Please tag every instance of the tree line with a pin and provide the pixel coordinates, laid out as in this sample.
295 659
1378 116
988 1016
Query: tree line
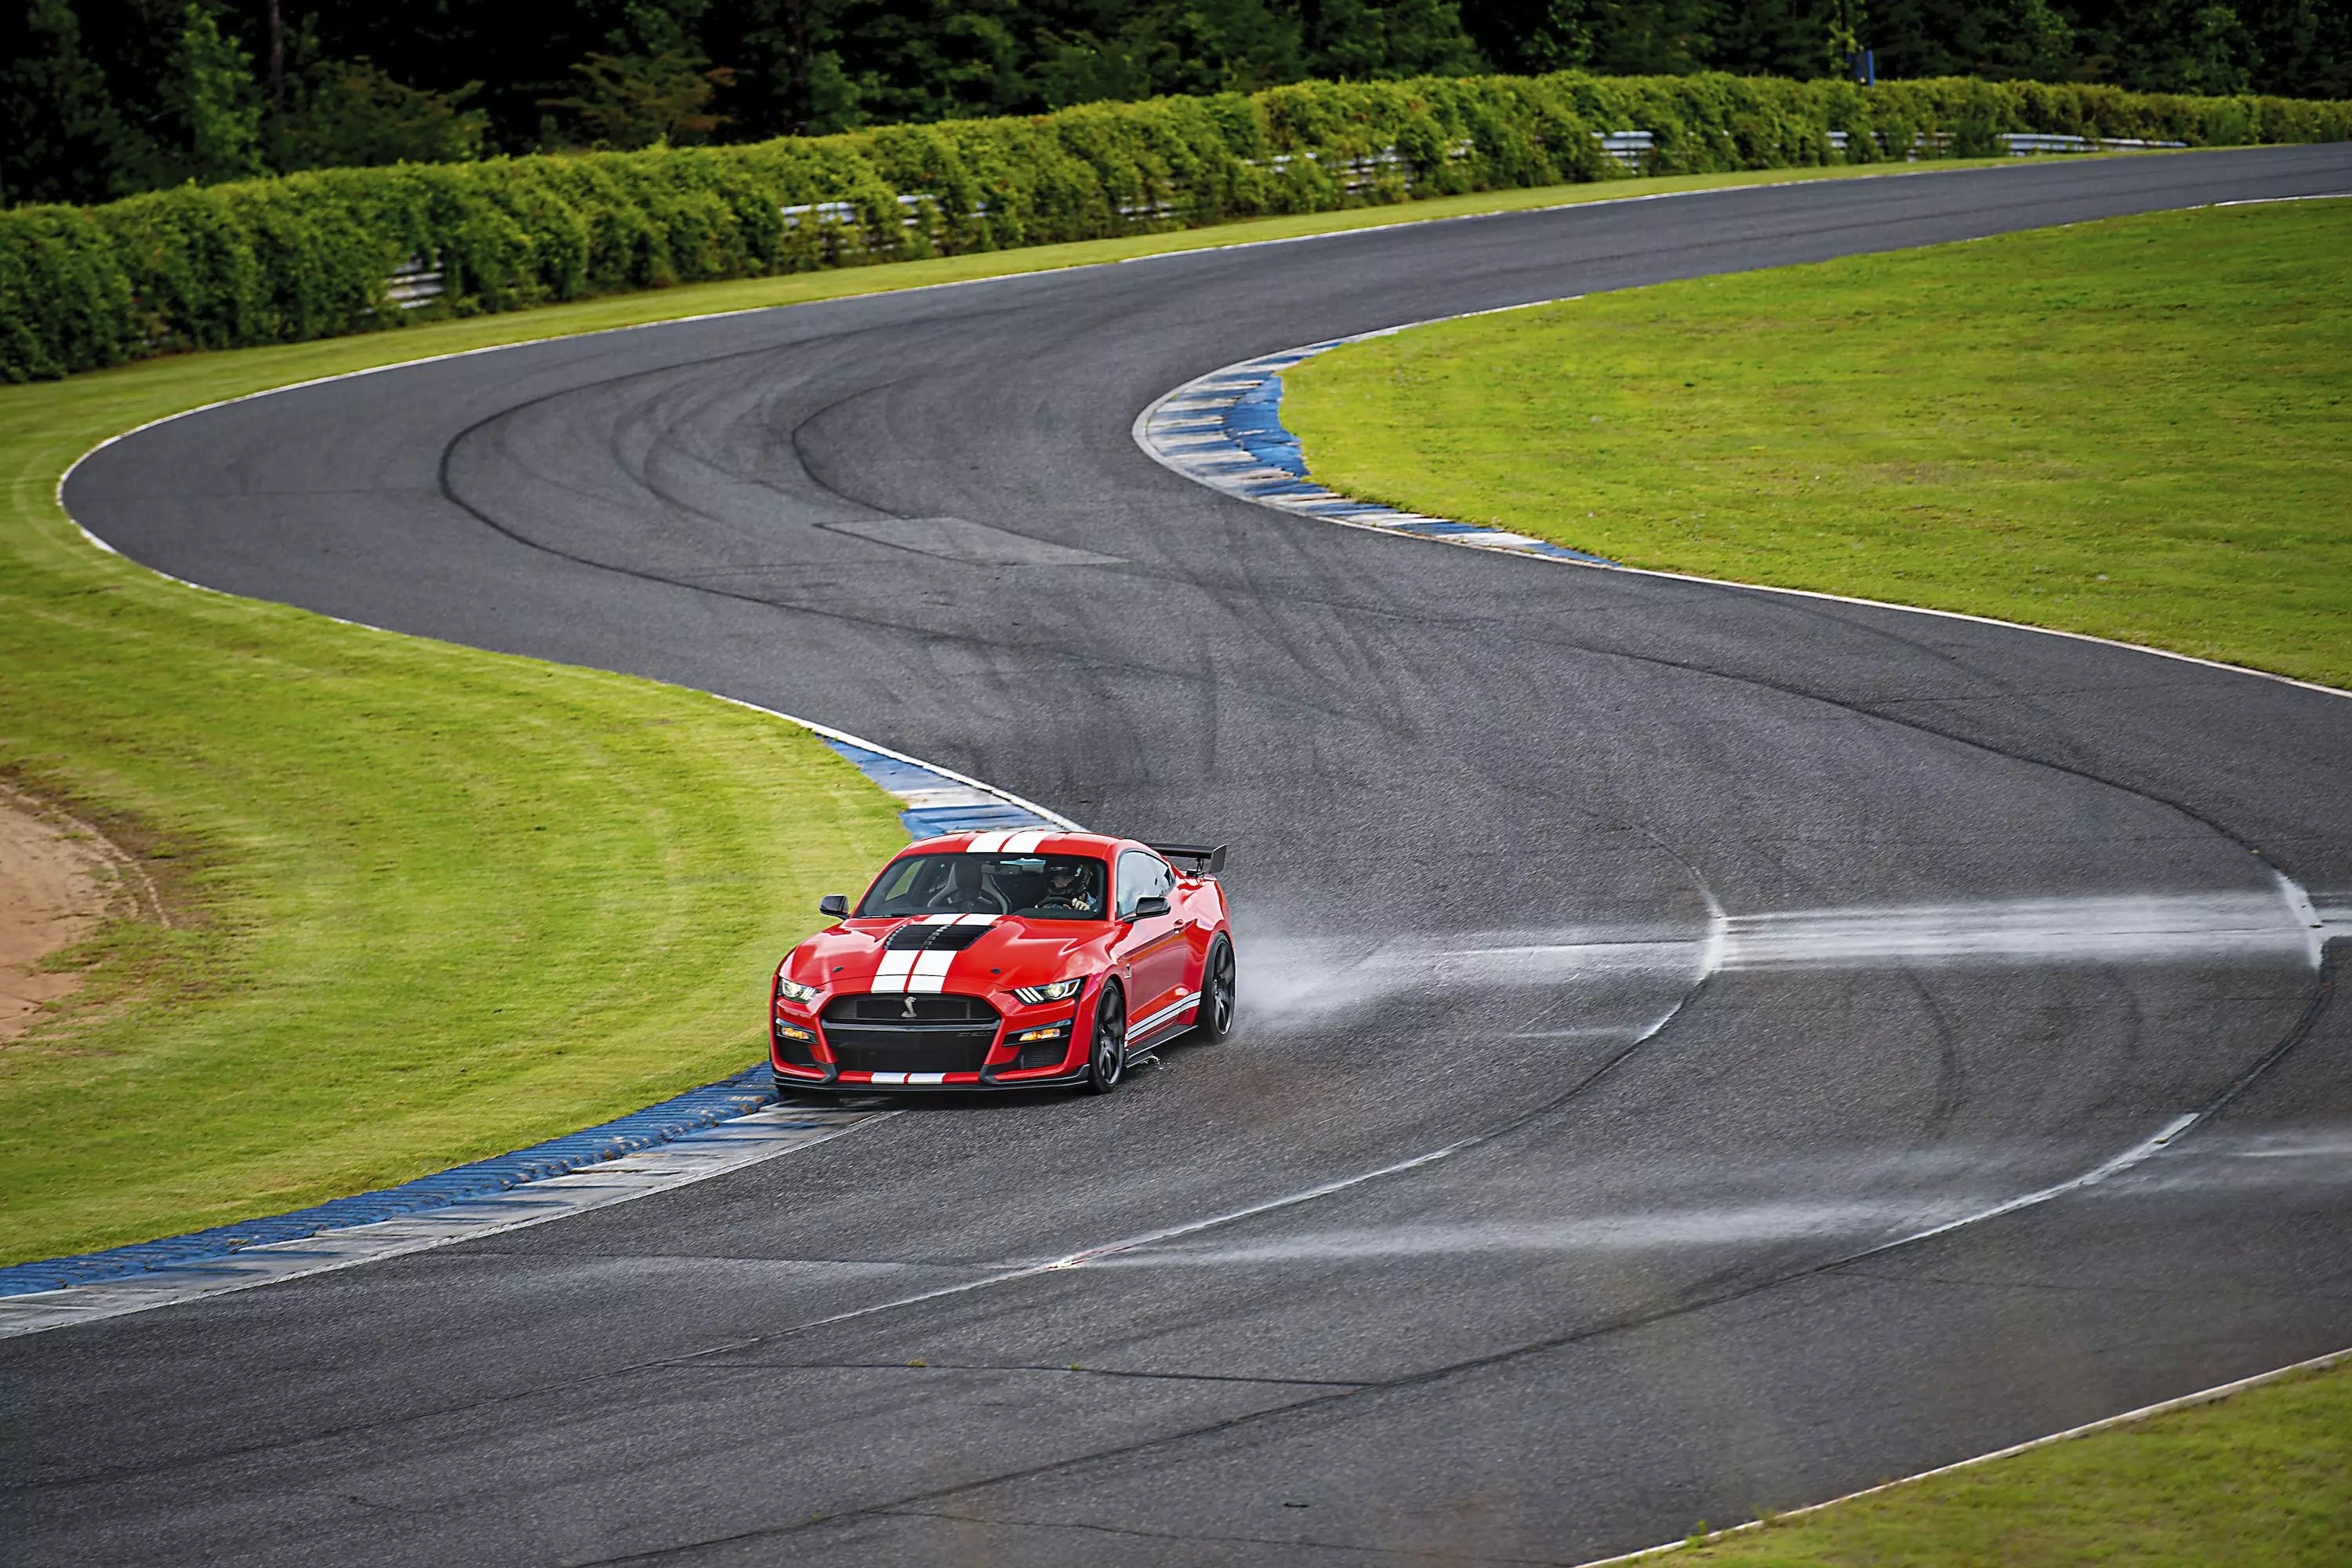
107 97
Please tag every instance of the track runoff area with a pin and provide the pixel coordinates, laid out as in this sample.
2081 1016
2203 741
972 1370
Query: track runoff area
1703 1051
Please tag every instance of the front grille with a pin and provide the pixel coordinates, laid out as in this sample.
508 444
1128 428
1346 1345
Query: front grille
870 1049
892 1009
875 1034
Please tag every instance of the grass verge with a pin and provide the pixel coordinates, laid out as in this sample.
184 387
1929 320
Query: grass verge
433 903
2259 1479
2141 429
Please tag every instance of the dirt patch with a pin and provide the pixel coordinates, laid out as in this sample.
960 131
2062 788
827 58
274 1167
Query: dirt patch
58 878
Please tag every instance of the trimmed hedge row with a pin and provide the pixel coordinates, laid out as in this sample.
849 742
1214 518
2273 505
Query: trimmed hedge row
308 255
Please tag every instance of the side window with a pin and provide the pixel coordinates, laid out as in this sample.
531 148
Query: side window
1141 876
893 884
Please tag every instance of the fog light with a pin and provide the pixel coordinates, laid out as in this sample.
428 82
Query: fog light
788 1032
1051 1032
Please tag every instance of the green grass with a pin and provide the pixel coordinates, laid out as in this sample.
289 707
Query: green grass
432 903
2261 1480
2141 429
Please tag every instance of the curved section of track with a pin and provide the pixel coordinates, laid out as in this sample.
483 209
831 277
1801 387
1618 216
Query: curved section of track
1978 913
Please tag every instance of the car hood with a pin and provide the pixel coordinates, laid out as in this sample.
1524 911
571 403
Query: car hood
1008 952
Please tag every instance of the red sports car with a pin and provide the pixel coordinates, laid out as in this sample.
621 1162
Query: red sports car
1008 960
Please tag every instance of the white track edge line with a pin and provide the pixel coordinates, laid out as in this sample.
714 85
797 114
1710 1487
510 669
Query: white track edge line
1138 432
2163 1408
1085 1255
846 738
2305 913
2113 1165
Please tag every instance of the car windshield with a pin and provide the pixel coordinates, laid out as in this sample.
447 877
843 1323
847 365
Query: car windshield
1035 887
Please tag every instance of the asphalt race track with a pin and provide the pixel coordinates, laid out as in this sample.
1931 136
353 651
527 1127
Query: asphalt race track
1582 876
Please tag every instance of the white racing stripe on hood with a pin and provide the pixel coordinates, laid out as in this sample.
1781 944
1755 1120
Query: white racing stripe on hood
892 974
947 960
898 963
923 972
930 975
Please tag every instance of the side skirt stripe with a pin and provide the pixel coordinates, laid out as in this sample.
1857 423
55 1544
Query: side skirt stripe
1145 1025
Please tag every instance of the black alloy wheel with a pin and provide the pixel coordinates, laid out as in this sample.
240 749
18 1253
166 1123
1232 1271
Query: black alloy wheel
1106 1062
1214 1021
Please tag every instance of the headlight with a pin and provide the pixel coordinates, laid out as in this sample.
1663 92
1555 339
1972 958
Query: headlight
793 991
1060 991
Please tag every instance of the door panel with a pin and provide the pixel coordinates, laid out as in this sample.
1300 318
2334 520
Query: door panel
1155 948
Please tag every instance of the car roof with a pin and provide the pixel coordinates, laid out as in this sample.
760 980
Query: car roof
1022 841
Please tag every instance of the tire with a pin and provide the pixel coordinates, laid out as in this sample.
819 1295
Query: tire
1214 1021
1107 1050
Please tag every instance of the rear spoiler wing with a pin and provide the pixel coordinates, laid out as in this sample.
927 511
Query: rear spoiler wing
1207 861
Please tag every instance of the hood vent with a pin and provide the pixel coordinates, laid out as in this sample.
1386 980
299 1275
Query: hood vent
934 939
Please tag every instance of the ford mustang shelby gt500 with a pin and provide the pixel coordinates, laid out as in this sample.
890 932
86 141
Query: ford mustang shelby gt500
1008 960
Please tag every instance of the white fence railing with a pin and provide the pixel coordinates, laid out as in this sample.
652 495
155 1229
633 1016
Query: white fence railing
2016 144
2019 146
843 229
413 282
1631 148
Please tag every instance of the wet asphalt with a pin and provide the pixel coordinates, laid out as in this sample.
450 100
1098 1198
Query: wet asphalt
1551 873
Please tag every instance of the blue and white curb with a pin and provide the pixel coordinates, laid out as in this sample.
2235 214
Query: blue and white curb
1224 430
746 1138
672 1119
703 1132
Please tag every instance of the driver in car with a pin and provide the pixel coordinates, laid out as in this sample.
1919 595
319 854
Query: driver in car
1066 888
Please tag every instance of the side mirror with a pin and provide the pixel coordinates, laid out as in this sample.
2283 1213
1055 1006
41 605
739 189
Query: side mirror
834 904
1147 908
